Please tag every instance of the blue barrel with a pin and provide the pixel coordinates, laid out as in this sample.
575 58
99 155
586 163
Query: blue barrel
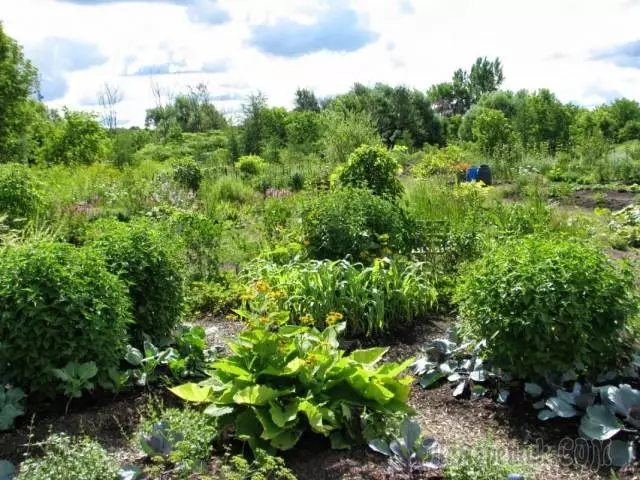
472 174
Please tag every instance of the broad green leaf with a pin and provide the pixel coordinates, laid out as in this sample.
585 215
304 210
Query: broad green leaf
218 411
287 439
561 408
247 425
533 389
621 399
294 366
380 446
370 356
192 392
395 369
269 429
258 395
7 470
134 356
599 423
87 370
230 368
431 378
621 453
282 416
8 414
410 431
546 414
314 416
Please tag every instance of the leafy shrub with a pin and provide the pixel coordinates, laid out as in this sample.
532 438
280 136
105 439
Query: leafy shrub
214 298
19 195
66 457
482 462
284 380
372 300
188 173
225 189
297 182
195 431
145 258
58 304
250 164
264 466
352 222
544 304
373 168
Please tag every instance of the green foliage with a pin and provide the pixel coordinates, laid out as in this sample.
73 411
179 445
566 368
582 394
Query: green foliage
225 189
188 173
76 377
450 159
58 304
483 461
20 197
284 380
372 300
77 138
263 467
346 131
250 165
212 297
491 130
65 457
11 406
19 80
145 258
183 436
545 303
372 168
349 221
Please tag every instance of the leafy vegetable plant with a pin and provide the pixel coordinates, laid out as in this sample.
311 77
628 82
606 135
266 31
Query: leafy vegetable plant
76 377
7 470
283 380
11 406
409 453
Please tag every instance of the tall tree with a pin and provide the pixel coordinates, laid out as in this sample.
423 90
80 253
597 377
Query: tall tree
253 127
18 86
306 101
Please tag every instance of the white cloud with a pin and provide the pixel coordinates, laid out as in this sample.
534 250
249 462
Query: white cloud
542 44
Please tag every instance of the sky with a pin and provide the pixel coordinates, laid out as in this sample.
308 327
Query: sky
585 51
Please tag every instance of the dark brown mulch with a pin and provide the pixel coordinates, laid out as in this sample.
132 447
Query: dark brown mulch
613 200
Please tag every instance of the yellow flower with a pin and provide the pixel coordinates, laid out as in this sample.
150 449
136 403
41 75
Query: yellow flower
262 287
264 319
307 320
231 316
277 294
333 318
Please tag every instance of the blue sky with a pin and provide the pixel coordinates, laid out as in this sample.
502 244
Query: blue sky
587 51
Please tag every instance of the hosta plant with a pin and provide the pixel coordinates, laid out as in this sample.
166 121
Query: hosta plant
284 380
409 452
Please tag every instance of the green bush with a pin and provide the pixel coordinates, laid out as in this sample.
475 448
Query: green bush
196 429
250 165
355 222
225 189
187 173
145 258
372 300
283 381
544 304
58 304
372 168
19 195
64 457
481 462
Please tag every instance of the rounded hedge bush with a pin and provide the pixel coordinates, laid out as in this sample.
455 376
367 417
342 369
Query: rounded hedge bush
58 304
19 194
373 168
145 257
250 164
187 172
544 304
349 221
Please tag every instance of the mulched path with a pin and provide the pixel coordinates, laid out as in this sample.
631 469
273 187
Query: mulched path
549 447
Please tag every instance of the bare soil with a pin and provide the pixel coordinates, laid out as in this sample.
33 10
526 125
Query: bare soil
611 199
